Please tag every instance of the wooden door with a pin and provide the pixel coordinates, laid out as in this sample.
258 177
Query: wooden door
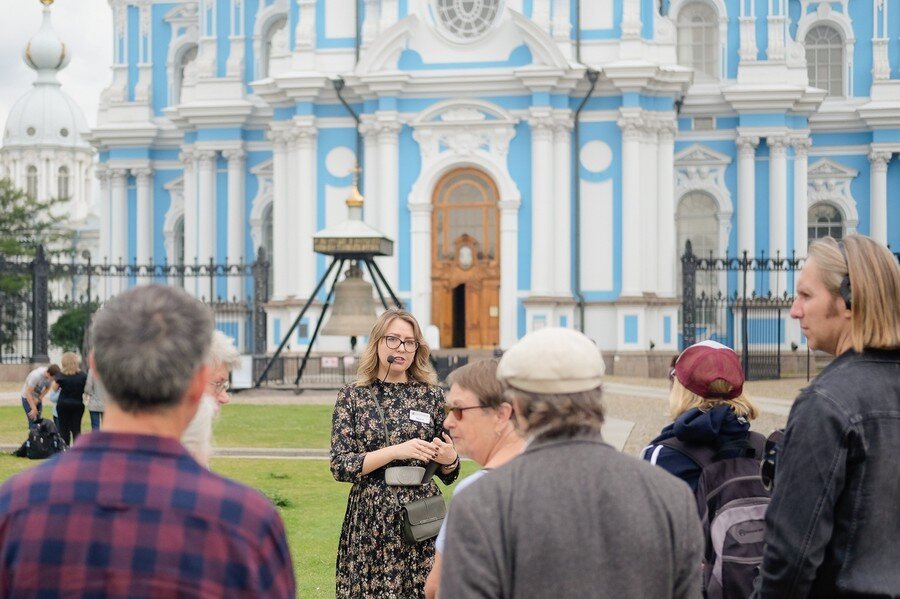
466 260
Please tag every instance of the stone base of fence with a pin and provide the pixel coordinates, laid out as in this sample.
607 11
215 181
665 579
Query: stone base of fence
15 373
649 364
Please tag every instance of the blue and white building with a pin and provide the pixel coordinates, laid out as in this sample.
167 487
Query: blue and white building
519 193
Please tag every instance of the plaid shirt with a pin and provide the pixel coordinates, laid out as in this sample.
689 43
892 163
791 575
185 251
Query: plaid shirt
135 516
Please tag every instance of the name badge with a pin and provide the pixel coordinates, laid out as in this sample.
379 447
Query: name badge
419 416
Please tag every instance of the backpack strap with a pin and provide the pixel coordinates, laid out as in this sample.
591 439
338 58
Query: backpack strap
704 455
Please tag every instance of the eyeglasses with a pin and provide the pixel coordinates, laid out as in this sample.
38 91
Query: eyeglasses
409 345
458 412
220 386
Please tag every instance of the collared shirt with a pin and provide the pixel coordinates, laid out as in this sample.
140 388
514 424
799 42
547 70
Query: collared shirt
125 515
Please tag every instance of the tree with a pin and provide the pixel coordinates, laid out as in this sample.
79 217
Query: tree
67 333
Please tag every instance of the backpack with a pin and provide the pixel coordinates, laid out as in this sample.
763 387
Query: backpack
732 503
44 441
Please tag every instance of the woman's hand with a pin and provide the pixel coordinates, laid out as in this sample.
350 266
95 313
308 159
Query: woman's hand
415 449
446 453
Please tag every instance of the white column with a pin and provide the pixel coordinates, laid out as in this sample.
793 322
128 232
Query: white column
292 213
801 201
119 226
371 208
103 211
420 262
746 236
649 206
630 122
778 207
562 166
667 253
748 48
562 25
236 219
281 226
189 180
388 188
144 218
206 210
878 220
542 204
306 203
509 268
370 25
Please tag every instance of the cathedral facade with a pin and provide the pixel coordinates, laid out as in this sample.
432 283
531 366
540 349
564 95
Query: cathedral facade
536 162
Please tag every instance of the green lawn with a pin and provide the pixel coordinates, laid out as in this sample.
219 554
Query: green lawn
311 502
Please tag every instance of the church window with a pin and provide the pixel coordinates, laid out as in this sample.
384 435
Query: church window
825 220
186 58
276 44
178 247
698 39
825 59
467 19
466 204
62 182
31 181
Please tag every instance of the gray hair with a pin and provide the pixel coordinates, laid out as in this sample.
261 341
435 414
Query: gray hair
553 415
148 343
222 351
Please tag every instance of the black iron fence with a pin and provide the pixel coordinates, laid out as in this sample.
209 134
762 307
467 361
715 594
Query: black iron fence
35 292
743 303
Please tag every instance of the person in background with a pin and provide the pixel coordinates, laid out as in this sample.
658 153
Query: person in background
570 516
96 399
223 358
128 512
70 406
37 385
833 524
481 423
396 389
709 409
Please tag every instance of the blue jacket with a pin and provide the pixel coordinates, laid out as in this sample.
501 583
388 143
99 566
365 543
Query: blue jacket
833 526
719 428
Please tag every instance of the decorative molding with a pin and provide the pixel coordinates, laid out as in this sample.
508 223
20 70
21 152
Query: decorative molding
879 159
264 173
830 182
698 168
175 188
465 128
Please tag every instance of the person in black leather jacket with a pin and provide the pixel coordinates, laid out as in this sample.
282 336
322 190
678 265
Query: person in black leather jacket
833 526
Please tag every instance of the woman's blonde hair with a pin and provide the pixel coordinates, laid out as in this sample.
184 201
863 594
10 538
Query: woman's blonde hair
682 399
874 276
69 363
420 370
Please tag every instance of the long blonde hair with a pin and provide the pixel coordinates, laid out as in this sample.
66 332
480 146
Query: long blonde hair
69 363
420 370
682 399
874 286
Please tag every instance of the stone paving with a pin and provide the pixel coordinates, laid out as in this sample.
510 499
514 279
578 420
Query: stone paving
636 410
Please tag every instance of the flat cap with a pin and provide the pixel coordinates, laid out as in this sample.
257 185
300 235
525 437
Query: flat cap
552 360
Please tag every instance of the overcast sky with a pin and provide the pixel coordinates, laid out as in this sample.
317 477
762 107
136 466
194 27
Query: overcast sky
85 26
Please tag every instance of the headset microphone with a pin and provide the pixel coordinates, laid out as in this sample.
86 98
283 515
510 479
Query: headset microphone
390 359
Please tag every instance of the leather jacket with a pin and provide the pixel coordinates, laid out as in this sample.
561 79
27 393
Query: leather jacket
833 527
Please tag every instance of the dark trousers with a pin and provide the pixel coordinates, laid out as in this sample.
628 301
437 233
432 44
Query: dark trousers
70 420
96 420
27 407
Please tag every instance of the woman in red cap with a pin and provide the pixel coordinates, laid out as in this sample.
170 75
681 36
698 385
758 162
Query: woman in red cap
709 410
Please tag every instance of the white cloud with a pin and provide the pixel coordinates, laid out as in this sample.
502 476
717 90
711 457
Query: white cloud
85 26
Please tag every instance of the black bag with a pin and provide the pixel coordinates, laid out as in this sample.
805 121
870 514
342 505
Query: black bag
732 503
44 441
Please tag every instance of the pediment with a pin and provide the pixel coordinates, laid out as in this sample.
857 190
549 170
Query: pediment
829 169
457 113
700 155
183 14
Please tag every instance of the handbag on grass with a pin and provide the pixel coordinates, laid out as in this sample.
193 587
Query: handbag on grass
420 519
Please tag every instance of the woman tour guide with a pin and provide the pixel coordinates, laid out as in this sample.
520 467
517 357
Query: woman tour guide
395 378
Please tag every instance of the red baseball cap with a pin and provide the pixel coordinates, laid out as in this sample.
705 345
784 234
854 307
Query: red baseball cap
702 363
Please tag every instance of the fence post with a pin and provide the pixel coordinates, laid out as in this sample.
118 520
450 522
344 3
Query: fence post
40 275
260 271
688 304
745 326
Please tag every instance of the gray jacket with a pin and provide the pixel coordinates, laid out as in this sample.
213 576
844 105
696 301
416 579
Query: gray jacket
95 392
833 525
573 518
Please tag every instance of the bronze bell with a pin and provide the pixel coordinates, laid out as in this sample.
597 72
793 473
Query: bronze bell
353 311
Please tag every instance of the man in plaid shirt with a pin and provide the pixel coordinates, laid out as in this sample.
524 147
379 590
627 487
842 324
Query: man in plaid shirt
128 512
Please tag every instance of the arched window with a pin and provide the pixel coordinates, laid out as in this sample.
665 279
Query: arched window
825 220
698 39
275 44
178 246
465 204
268 244
31 182
62 182
187 57
825 59
697 222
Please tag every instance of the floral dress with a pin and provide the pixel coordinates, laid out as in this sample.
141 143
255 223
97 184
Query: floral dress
373 559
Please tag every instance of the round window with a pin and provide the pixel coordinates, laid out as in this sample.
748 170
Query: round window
64 132
467 19
30 131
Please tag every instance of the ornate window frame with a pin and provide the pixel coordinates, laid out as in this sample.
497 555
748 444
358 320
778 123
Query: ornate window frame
826 15
266 18
183 17
698 168
175 187
829 183
719 7
264 173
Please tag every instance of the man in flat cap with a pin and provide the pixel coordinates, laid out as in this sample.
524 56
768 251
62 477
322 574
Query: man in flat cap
571 516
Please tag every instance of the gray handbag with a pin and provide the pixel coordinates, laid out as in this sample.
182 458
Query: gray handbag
420 519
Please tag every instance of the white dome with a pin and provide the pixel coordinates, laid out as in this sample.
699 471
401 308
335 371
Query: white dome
45 116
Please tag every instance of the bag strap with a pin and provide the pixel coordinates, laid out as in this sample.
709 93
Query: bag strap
387 440
704 455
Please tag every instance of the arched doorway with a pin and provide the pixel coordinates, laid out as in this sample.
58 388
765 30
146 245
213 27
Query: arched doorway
465 260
